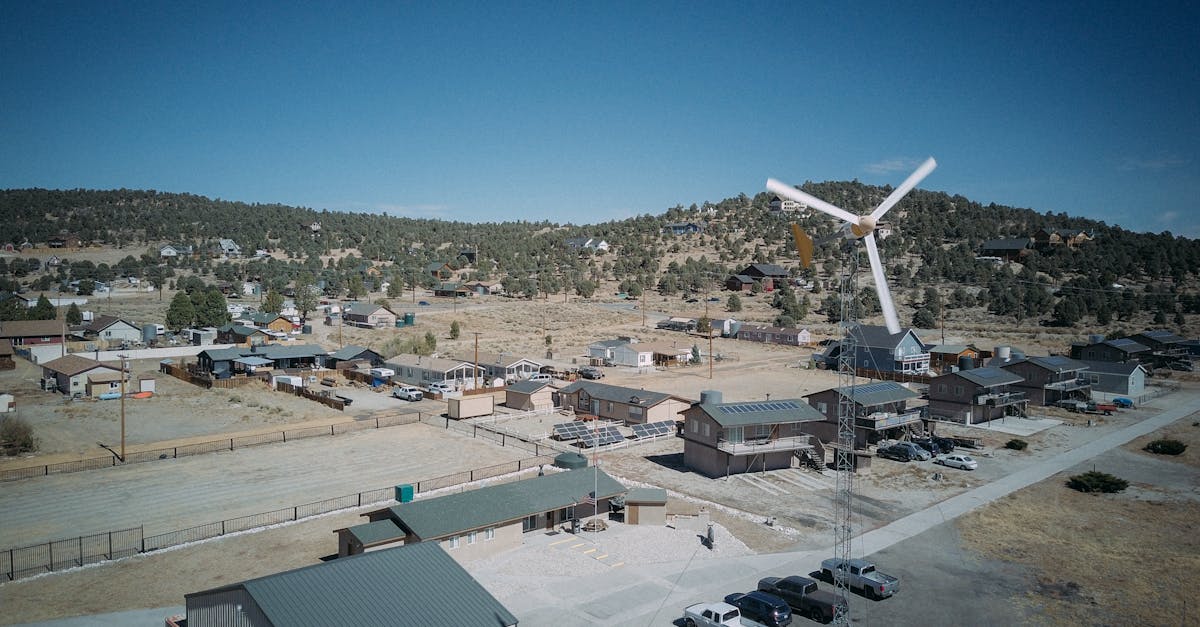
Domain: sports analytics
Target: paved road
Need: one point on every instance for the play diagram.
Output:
(655, 595)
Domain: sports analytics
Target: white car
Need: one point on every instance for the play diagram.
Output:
(965, 462)
(441, 387)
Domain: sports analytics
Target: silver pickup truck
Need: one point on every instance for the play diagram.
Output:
(862, 576)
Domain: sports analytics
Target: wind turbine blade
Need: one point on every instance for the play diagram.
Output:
(905, 187)
(881, 286)
(783, 189)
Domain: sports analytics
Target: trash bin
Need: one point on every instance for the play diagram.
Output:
(574, 525)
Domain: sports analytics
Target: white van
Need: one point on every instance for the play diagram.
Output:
(541, 377)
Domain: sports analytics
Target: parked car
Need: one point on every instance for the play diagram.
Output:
(1181, 366)
(588, 372)
(712, 615)
(424, 303)
(929, 445)
(408, 393)
(762, 608)
(441, 387)
(861, 575)
(965, 462)
(946, 444)
(904, 452)
(803, 596)
(541, 376)
(1123, 403)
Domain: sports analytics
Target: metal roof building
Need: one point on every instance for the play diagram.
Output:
(409, 585)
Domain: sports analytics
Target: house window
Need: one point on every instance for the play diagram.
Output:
(958, 390)
(635, 412)
(454, 543)
(530, 523)
(942, 388)
(695, 427)
(471, 537)
(733, 434)
(822, 407)
(489, 534)
(706, 429)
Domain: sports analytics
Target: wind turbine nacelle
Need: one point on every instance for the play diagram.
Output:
(853, 231)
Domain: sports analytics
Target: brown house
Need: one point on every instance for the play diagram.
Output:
(1047, 380)
(976, 395)
(369, 315)
(529, 395)
(6, 355)
(614, 402)
(31, 332)
(880, 411)
(1071, 238)
(721, 439)
(943, 356)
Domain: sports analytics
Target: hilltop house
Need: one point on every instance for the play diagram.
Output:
(721, 439)
(587, 243)
(110, 329)
(229, 248)
(1013, 249)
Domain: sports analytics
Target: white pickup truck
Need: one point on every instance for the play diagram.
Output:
(712, 615)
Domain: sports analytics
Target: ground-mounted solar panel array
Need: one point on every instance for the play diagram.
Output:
(601, 436)
(571, 430)
(753, 408)
(653, 429)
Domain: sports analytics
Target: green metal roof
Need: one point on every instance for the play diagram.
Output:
(782, 411)
(417, 584)
(647, 496)
(443, 516)
(877, 393)
(616, 393)
(378, 531)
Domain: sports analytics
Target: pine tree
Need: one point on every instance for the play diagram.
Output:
(181, 313)
(43, 310)
(734, 303)
(74, 316)
(273, 303)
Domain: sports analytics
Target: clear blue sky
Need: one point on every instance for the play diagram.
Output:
(585, 112)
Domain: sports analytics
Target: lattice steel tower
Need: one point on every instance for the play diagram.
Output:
(844, 450)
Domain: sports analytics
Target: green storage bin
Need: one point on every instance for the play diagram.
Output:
(404, 493)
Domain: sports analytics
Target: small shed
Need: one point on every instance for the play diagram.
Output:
(146, 383)
(646, 506)
(368, 537)
(529, 395)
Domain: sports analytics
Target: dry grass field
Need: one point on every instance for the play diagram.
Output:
(1126, 558)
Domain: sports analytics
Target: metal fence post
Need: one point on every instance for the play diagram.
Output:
(231, 444)
(80, 562)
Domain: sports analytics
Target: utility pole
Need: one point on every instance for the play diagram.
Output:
(123, 371)
(708, 331)
(476, 373)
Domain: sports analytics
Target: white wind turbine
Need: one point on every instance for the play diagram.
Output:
(858, 228)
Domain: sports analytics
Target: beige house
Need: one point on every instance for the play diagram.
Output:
(421, 371)
(529, 395)
(721, 439)
(71, 372)
(369, 315)
(628, 405)
(490, 520)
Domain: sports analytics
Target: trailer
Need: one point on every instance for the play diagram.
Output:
(470, 406)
